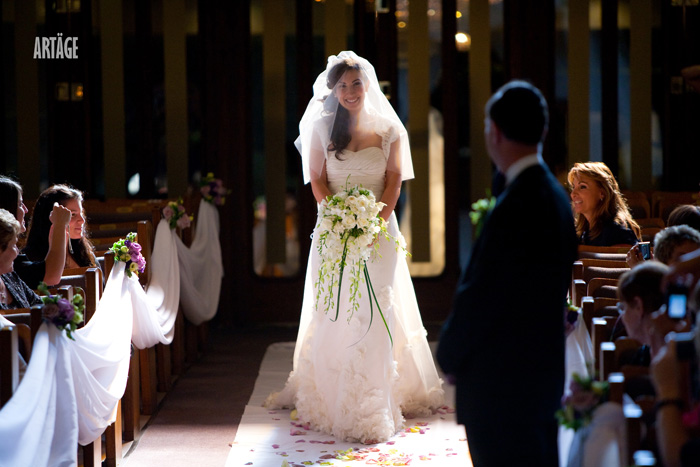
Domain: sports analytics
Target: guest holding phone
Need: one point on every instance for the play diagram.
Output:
(669, 245)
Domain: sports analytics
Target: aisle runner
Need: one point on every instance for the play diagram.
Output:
(269, 438)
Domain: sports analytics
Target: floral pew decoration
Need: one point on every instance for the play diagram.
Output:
(176, 215)
(213, 190)
(62, 313)
(128, 251)
(201, 266)
(599, 425)
(154, 309)
(74, 380)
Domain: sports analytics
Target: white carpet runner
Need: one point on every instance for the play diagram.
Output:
(270, 438)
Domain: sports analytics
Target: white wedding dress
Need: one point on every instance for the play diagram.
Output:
(353, 385)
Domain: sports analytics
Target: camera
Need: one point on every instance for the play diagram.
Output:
(677, 301)
(645, 250)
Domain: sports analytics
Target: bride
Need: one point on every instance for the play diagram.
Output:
(348, 379)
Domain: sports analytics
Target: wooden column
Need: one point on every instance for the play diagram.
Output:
(146, 154)
(175, 86)
(305, 80)
(225, 39)
(479, 93)
(336, 25)
(386, 51)
(419, 104)
(579, 127)
(450, 129)
(640, 94)
(529, 55)
(609, 94)
(274, 111)
(113, 115)
(27, 98)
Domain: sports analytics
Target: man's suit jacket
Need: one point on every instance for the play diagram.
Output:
(504, 339)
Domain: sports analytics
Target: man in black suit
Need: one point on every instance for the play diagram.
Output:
(503, 343)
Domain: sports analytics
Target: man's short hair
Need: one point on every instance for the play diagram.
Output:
(520, 111)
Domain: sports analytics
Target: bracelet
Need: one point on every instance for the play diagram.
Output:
(665, 402)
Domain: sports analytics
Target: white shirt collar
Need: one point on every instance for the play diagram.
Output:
(521, 164)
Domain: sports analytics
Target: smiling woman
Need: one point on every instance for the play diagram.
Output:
(14, 293)
(79, 249)
(601, 213)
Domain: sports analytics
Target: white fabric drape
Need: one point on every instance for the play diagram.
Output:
(71, 389)
(201, 267)
(155, 310)
(579, 358)
(603, 442)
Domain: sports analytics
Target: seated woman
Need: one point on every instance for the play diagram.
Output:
(601, 213)
(79, 252)
(685, 214)
(14, 293)
(49, 268)
(641, 295)
(669, 245)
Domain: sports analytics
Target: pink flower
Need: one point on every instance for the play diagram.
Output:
(168, 212)
(134, 248)
(584, 400)
(183, 222)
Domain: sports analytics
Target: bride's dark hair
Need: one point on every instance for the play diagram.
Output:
(340, 132)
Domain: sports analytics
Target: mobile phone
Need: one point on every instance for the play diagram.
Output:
(677, 301)
(645, 250)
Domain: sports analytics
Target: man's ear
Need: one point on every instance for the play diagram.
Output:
(495, 133)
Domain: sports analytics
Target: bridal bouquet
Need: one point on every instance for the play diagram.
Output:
(174, 212)
(349, 225)
(130, 252)
(578, 406)
(64, 314)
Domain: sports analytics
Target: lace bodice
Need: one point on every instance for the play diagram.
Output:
(366, 167)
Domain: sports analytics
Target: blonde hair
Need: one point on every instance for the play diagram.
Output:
(613, 205)
(9, 228)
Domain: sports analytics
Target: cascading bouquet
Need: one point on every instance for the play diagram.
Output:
(349, 225)
(63, 313)
(176, 215)
(129, 252)
(578, 406)
(213, 190)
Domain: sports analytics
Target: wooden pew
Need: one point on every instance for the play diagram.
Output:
(9, 362)
(586, 269)
(597, 307)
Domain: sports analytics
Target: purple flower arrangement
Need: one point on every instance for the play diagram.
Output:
(64, 314)
(128, 251)
(213, 190)
(174, 212)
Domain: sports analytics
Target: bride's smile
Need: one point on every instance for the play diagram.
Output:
(350, 90)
